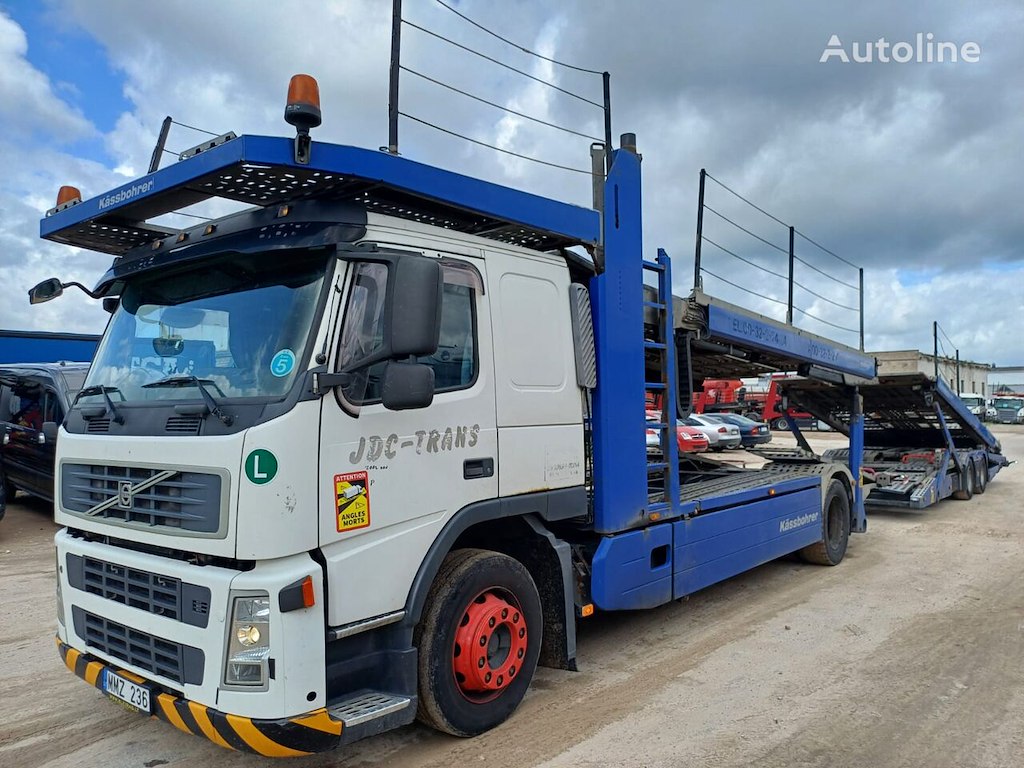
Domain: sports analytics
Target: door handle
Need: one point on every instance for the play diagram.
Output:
(476, 468)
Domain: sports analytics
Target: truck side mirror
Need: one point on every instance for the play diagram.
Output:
(46, 290)
(49, 431)
(407, 386)
(414, 323)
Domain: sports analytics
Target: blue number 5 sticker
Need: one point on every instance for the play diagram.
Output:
(282, 363)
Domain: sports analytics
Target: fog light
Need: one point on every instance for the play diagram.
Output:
(245, 672)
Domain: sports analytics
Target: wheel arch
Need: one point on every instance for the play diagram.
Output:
(845, 477)
(515, 526)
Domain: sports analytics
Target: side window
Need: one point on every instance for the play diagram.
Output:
(455, 361)
(362, 333)
(27, 408)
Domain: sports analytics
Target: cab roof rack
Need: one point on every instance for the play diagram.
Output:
(261, 170)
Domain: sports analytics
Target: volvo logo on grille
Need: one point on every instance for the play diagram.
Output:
(124, 494)
(124, 498)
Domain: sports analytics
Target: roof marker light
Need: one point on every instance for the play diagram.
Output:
(66, 197)
(302, 111)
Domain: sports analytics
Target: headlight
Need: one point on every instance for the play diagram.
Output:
(249, 641)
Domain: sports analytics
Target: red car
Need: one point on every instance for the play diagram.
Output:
(689, 439)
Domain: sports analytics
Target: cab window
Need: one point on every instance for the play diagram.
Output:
(455, 362)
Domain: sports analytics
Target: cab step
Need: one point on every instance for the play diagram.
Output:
(368, 705)
(367, 713)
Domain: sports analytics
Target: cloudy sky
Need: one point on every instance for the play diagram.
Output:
(914, 171)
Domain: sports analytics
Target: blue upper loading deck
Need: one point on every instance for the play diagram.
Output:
(263, 171)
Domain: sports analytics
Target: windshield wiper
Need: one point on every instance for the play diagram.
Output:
(99, 389)
(185, 381)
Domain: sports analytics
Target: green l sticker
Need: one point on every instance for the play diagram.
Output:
(260, 466)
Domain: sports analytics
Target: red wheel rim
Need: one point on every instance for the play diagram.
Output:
(490, 646)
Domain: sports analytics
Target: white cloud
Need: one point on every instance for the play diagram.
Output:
(28, 102)
(903, 171)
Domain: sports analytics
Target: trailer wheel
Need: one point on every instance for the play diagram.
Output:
(781, 424)
(966, 490)
(980, 476)
(835, 528)
(479, 641)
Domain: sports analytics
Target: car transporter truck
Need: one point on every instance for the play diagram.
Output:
(371, 447)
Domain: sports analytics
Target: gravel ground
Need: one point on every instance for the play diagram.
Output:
(910, 653)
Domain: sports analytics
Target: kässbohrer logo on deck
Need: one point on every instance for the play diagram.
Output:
(798, 522)
(126, 193)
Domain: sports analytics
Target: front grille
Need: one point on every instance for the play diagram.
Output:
(189, 501)
(98, 425)
(160, 595)
(173, 661)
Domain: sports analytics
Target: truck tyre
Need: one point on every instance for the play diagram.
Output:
(835, 526)
(980, 476)
(781, 424)
(3, 495)
(966, 490)
(479, 641)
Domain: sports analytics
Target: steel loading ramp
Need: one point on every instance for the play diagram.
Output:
(899, 410)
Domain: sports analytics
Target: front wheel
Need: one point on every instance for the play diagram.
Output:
(781, 424)
(835, 528)
(479, 641)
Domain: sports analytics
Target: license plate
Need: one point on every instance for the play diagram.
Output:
(124, 690)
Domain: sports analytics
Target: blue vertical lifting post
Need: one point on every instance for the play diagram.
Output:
(860, 518)
(620, 435)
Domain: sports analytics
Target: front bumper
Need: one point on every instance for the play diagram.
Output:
(316, 731)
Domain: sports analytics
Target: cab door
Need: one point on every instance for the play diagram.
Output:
(44, 457)
(390, 480)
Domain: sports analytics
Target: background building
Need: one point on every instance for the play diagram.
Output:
(1006, 379)
(46, 347)
(974, 377)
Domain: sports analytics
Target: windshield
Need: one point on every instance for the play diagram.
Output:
(239, 324)
(74, 381)
(1009, 402)
(972, 401)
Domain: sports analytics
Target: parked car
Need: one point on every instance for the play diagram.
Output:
(34, 397)
(719, 435)
(689, 439)
(751, 432)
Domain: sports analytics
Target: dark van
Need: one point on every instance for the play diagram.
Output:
(34, 397)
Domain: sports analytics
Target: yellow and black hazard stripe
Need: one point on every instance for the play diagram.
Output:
(315, 731)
